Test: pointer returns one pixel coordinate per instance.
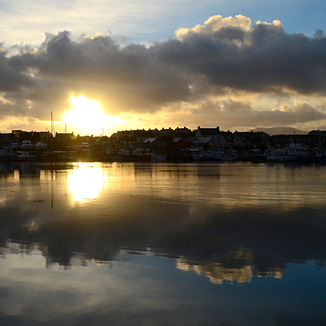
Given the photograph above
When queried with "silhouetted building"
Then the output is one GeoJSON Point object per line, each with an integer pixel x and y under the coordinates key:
{"type": "Point", "coordinates": [63, 140]}
{"type": "Point", "coordinates": [207, 132]}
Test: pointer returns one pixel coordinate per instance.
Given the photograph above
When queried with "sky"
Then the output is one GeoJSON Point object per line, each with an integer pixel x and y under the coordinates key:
{"type": "Point", "coordinates": [105, 65]}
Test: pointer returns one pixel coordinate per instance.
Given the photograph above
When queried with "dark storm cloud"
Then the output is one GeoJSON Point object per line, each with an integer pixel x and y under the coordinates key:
{"type": "Point", "coordinates": [265, 59]}
{"type": "Point", "coordinates": [202, 61]}
{"type": "Point", "coordinates": [11, 78]}
{"type": "Point", "coordinates": [132, 75]}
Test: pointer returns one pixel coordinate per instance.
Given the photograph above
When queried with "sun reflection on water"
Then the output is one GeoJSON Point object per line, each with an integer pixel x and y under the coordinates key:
{"type": "Point", "coordinates": [85, 182]}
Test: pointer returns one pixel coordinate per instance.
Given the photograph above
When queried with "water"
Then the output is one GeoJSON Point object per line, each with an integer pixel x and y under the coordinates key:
{"type": "Point", "coordinates": [162, 244]}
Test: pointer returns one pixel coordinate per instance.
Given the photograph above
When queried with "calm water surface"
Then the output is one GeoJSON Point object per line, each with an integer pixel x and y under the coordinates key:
{"type": "Point", "coordinates": [162, 244]}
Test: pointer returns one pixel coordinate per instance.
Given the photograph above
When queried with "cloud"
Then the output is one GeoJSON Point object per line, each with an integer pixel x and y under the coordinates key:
{"type": "Point", "coordinates": [215, 24]}
{"type": "Point", "coordinates": [221, 55]}
{"type": "Point", "coordinates": [237, 114]}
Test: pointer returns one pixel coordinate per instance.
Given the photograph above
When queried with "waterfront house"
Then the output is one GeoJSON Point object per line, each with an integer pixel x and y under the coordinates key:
{"type": "Point", "coordinates": [207, 132]}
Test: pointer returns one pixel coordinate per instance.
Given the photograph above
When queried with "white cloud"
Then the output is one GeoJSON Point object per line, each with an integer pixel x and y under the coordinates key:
{"type": "Point", "coordinates": [216, 23]}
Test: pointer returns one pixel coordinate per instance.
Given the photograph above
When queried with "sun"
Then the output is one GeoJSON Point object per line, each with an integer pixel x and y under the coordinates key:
{"type": "Point", "coordinates": [86, 116]}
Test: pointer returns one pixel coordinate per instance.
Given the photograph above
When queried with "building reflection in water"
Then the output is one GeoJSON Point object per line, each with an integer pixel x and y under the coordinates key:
{"type": "Point", "coordinates": [162, 244]}
{"type": "Point", "coordinates": [203, 215]}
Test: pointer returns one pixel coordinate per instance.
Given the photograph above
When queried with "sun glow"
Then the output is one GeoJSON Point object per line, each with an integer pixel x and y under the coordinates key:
{"type": "Point", "coordinates": [85, 182]}
{"type": "Point", "coordinates": [87, 118]}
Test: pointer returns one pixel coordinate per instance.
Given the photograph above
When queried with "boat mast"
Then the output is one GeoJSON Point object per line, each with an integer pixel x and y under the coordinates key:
{"type": "Point", "coordinates": [52, 126]}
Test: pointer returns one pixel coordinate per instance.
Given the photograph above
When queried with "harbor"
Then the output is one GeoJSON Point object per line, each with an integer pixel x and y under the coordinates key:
{"type": "Point", "coordinates": [165, 145]}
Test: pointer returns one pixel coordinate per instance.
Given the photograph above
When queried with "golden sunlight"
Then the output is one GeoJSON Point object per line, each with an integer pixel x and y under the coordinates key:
{"type": "Point", "coordinates": [87, 118]}
{"type": "Point", "coordinates": [85, 182]}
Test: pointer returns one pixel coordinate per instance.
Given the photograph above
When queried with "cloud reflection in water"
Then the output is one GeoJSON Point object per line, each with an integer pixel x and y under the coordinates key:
{"type": "Point", "coordinates": [119, 238]}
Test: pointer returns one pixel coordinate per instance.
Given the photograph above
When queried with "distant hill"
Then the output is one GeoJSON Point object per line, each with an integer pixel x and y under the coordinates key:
{"type": "Point", "coordinates": [281, 131]}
